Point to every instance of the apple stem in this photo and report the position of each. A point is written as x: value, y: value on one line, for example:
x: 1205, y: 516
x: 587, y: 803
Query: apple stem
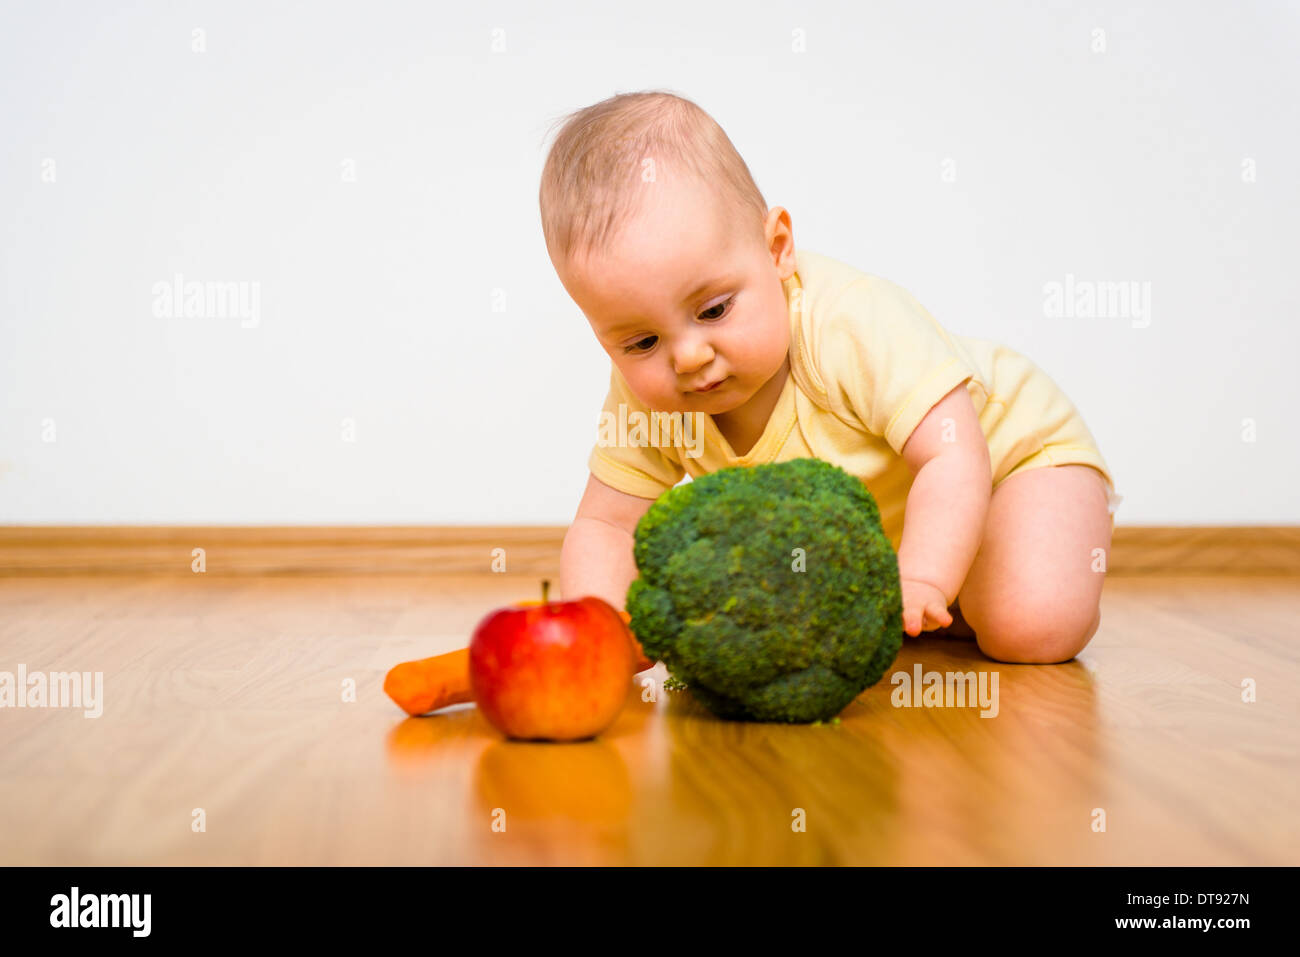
x: 546, y: 585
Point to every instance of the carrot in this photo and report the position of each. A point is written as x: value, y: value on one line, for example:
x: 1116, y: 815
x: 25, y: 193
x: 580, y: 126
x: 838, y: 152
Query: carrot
x: 642, y: 662
x: 428, y: 684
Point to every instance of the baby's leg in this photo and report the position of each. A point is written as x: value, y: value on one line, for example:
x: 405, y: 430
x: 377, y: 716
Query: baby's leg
x: 1033, y: 593
x: 959, y: 628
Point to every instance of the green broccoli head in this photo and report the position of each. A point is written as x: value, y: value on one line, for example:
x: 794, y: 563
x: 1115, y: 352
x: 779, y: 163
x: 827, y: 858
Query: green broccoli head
x: 771, y: 591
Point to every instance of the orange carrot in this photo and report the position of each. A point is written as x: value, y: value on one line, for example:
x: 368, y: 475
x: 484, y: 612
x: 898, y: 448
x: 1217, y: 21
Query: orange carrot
x: 426, y: 685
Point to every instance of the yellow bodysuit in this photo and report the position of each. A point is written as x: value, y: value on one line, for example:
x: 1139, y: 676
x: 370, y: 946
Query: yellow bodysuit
x: 867, y: 362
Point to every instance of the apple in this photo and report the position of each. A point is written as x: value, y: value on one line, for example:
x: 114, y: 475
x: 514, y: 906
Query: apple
x: 552, y: 670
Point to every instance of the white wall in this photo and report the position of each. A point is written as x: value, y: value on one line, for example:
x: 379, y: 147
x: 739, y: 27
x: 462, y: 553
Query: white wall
x: 376, y: 296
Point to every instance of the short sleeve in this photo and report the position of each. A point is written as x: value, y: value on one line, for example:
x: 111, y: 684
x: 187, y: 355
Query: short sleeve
x: 624, y: 457
x: 884, y: 361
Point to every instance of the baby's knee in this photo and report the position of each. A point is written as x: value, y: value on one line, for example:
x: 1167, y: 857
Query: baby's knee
x: 1045, y: 635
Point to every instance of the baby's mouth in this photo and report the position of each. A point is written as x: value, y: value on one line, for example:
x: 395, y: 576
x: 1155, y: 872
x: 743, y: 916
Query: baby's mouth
x: 713, y: 386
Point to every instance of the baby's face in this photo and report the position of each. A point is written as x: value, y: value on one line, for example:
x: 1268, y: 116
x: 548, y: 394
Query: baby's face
x: 681, y: 299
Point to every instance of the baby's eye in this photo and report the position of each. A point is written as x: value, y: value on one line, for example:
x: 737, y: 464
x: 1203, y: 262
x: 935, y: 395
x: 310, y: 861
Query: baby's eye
x: 722, y: 305
x: 640, y: 342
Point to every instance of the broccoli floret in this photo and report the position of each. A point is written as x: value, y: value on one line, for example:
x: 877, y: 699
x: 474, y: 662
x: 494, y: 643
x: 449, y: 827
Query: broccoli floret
x: 758, y: 630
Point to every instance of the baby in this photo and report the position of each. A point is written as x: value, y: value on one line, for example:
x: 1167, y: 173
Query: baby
x: 990, y: 486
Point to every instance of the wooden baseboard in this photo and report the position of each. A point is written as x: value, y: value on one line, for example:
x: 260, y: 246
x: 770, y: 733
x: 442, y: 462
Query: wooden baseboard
x: 515, y: 549
x: 279, y: 550
x: 1205, y: 550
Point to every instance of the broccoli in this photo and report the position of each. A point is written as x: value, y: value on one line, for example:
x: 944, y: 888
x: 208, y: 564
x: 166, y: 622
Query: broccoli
x: 771, y: 591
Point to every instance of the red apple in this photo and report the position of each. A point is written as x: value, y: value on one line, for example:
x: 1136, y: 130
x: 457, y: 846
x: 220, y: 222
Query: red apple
x: 555, y: 671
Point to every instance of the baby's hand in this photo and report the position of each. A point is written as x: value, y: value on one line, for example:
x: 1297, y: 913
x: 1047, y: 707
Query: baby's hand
x: 924, y: 607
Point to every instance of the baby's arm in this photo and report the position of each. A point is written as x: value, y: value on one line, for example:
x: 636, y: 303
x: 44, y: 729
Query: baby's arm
x: 947, y: 504
x: 596, y: 558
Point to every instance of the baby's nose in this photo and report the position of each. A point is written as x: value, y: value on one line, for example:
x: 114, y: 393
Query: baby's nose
x: 692, y: 355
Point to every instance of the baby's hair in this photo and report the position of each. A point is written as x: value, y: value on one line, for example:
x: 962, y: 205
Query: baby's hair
x: 596, y: 172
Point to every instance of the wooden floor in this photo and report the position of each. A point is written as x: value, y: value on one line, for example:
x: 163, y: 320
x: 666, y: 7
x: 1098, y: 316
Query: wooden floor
x: 225, y: 694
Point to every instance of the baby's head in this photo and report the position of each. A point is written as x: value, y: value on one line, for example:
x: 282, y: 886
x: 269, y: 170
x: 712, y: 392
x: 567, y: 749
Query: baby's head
x: 659, y: 234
